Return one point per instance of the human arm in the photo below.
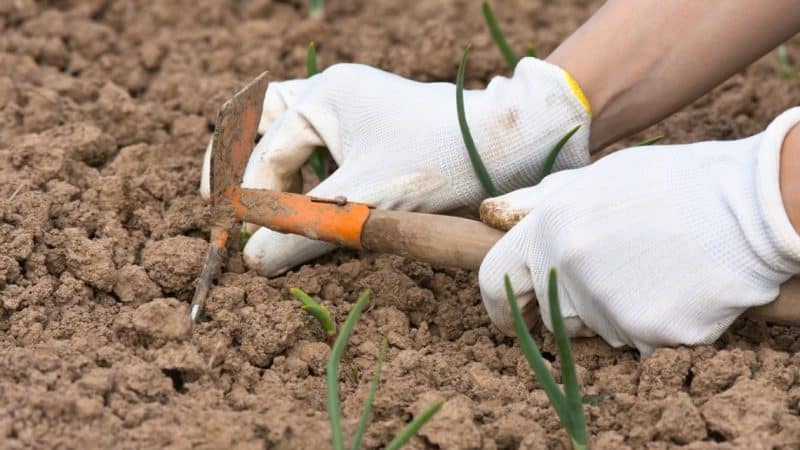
(638, 62)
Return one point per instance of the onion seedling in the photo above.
(552, 155)
(373, 388)
(785, 68)
(332, 377)
(567, 403)
(317, 158)
(474, 157)
(413, 427)
(316, 9)
(650, 141)
(499, 38)
(321, 313)
(531, 51)
(244, 236)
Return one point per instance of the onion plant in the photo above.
(317, 158)
(316, 9)
(474, 156)
(332, 376)
(568, 402)
(552, 155)
(321, 313)
(785, 68)
(650, 141)
(244, 236)
(499, 38)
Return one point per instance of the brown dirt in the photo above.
(105, 107)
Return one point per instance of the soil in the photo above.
(105, 109)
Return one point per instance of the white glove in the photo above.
(398, 145)
(654, 246)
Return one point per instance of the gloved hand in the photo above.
(398, 145)
(654, 246)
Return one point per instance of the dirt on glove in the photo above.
(105, 109)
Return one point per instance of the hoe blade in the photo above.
(231, 145)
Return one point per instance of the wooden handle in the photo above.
(448, 241)
(444, 241)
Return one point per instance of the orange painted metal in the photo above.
(221, 240)
(340, 223)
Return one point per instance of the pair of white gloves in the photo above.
(654, 246)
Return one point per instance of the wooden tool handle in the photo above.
(448, 241)
(444, 241)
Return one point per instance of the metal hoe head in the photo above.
(231, 145)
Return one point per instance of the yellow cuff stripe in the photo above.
(578, 92)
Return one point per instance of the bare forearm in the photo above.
(638, 62)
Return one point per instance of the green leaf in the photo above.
(535, 360)
(332, 370)
(499, 38)
(311, 60)
(244, 236)
(650, 141)
(413, 427)
(569, 376)
(474, 157)
(531, 51)
(316, 8)
(317, 162)
(550, 161)
(786, 69)
(373, 387)
(317, 158)
(320, 312)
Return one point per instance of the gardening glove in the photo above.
(398, 144)
(654, 246)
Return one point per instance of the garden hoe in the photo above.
(440, 240)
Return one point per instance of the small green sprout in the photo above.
(311, 59)
(499, 38)
(567, 403)
(474, 157)
(650, 141)
(244, 236)
(373, 388)
(786, 69)
(332, 370)
(332, 377)
(316, 9)
(413, 427)
(319, 312)
(317, 158)
(550, 160)
(531, 51)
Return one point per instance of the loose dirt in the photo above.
(105, 109)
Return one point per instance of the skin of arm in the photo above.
(638, 62)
